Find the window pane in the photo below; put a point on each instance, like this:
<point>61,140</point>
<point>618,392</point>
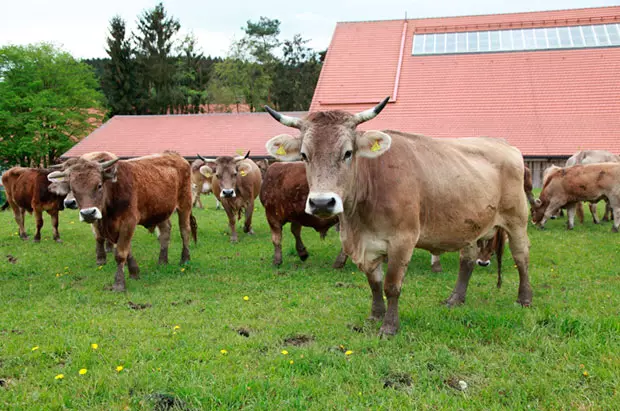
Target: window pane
<point>528,35</point>
<point>495,42</point>
<point>614,34</point>
<point>541,38</point>
<point>552,38</point>
<point>588,35</point>
<point>451,43</point>
<point>601,35</point>
<point>472,41</point>
<point>462,42</point>
<point>418,43</point>
<point>577,37</point>
<point>506,40</point>
<point>517,40</point>
<point>564,37</point>
<point>429,44</point>
<point>483,41</point>
<point>440,43</point>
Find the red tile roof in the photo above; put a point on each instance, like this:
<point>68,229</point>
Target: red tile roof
<point>207,134</point>
<point>547,103</point>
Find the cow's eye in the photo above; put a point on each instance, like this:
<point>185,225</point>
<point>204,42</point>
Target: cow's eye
<point>99,186</point>
<point>235,174</point>
<point>304,157</point>
<point>347,155</point>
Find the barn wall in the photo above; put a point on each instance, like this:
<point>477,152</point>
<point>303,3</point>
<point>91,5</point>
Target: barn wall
<point>538,166</point>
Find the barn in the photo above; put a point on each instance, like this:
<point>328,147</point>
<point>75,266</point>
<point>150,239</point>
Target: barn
<point>548,82</point>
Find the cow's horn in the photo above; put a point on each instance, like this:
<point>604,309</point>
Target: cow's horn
<point>108,163</point>
<point>371,113</point>
<point>286,120</point>
<point>240,158</point>
<point>206,160</point>
<point>57,174</point>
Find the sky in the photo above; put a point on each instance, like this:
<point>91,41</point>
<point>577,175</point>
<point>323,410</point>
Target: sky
<point>81,26</point>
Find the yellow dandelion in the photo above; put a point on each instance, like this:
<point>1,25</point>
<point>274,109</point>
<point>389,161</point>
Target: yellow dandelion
<point>246,298</point>
<point>183,269</point>
<point>291,362</point>
<point>36,347</point>
<point>72,222</point>
<point>59,377</point>
<point>119,368</point>
<point>174,333</point>
<point>284,352</point>
<point>83,371</point>
<point>586,374</point>
<point>348,352</point>
<point>223,352</point>
<point>100,267</point>
<point>341,347</point>
<point>94,346</point>
<point>57,275</point>
<point>66,268</point>
<point>176,327</point>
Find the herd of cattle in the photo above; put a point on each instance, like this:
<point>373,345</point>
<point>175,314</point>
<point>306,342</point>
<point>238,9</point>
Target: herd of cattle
<point>385,191</point>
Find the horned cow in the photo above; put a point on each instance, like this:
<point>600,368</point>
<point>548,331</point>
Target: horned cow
<point>201,184</point>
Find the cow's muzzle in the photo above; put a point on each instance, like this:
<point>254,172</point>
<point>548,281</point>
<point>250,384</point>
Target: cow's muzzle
<point>228,193</point>
<point>89,215</point>
<point>483,263</point>
<point>324,204</point>
<point>71,203</point>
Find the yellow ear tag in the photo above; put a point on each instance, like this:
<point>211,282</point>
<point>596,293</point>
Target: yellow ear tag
<point>243,173</point>
<point>281,151</point>
<point>375,146</point>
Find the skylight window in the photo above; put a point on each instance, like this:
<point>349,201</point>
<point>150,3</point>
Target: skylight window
<point>601,35</point>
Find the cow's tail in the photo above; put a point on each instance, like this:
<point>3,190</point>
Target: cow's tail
<point>499,252</point>
<point>194,226</point>
<point>5,205</point>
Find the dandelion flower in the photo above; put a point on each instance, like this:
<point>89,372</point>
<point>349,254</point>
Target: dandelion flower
<point>586,374</point>
<point>176,327</point>
<point>291,362</point>
<point>284,352</point>
<point>100,267</point>
<point>59,377</point>
<point>183,269</point>
<point>36,347</point>
<point>66,268</point>
<point>246,298</point>
<point>57,275</point>
<point>119,368</point>
<point>348,352</point>
<point>223,352</point>
<point>94,346</point>
<point>83,371</point>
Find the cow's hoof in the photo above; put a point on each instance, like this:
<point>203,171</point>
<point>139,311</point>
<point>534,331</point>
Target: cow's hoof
<point>119,288</point>
<point>436,268</point>
<point>23,237</point>
<point>101,262</point>
<point>387,330</point>
<point>338,265</point>
<point>277,263</point>
<point>234,241</point>
<point>570,227</point>
<point>58,240</point>
<point>455,300</point>
<point>614,229</point>
<point>37,239</point>
<point>303,256</point>
<point>163,261</point>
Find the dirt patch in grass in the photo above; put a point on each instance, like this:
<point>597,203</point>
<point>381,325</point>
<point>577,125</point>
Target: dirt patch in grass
<point>165,402</point>
<point>398,381</point>
<point>455,383</point>
<point>340,284</point>
<point>11,259</point>
<point>186,302</point>
<point>244,332</point>
<point>135,306</point>
<point>298,340</point>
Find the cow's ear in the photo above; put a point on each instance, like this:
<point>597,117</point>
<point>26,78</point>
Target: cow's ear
<point>206,171</point>
<point>110,174</point>
<point>372,144</point>
<point>243,169</point>
<point>57,177</point>
<point>284,147</point>
<point>59,188</point>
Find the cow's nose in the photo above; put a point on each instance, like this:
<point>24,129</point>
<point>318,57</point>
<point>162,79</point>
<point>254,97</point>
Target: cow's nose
<point>71,203</point>
<point>228,192</point>
<point>323,205</point>
<point>483,263</point>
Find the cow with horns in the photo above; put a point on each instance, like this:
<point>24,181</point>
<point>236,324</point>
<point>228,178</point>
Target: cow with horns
<point>395,192</point>
<point>236,183</point>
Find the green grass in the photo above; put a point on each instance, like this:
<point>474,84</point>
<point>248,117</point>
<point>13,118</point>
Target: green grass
<point>562,353</point>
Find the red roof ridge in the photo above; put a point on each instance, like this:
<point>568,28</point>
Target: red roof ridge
<point>205,114</point>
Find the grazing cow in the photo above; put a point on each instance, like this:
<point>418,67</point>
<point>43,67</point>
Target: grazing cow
<point>570,185</point>
<point>283,194</point>
<point>391,192</point>
<point>27,190</point>
<point>120,194</point>
<point>236,184</point>
<point>62,188</point>
<point>593,157</point>
<point>201,184</point>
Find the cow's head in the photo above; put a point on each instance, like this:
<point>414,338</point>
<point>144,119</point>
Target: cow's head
<point>226,169</point>
<point>329,144</point>
<point>86,181</point>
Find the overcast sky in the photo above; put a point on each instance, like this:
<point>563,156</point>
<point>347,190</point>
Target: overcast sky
<point>80,26</point>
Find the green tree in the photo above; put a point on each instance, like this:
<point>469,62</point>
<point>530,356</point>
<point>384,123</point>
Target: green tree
<point>45,101</point>
<point>192,80</point>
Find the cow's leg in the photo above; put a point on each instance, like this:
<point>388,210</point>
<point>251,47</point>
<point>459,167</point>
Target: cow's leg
<point>199,201</point>
<point>38,215</point>
<point>436,264</point>
<point>164,241</point>
<point>466,267</point>
<point>185,228</point>
<point>580,213</point>
<point>100,251</point>
<point>54,215</point>
<point>570,212</point>
<point>595,218</point>
<point>299,245</point>
<point>276,239</point>
<point>19,214</point>
<point>399,256</point>
<point>231,224</point>
<point>123,249</point>
<point>341,260</point>
<point>615,206</point>
<point>520,249</point>
<point>132,265</point>
<point>249,211</point>
<point>375,281</point>
<point>608,212</point>
<point>218,205</point>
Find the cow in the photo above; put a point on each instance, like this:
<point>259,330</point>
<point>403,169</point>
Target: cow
<point>570,185</point>
<point>118,194</point>
<point>236,184</point>
<point>395,191</point>
<point>27,190</point>
<point>283,194</point>
<point>263,165</point>
<point>200,184</point>
<point>593,157</point>
<point>102,246</point>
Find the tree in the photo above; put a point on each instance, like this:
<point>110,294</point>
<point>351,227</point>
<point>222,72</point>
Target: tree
<point>192,80</point>
<point>155,42</point>
<point>46,99</point>
<point>119,80</point>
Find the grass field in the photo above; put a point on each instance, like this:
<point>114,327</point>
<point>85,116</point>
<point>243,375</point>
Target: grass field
<point>187,338</point>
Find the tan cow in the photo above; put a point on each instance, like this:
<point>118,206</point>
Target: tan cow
<point>236,184</point>
<point>201,184</point>
<point>395,192</point>
<point>570,185</point>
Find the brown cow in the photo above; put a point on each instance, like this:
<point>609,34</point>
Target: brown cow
<point>283,194</point>
<point>570,185</point>
<point>201,184</point>
<point>236,184</point>
<point>27,190</point>
<point>391,191</point>
<point>263,165</point>
<point>120,194</point>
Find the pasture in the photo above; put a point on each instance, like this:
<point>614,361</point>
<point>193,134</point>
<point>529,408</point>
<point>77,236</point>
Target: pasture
<point>187,338</point>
